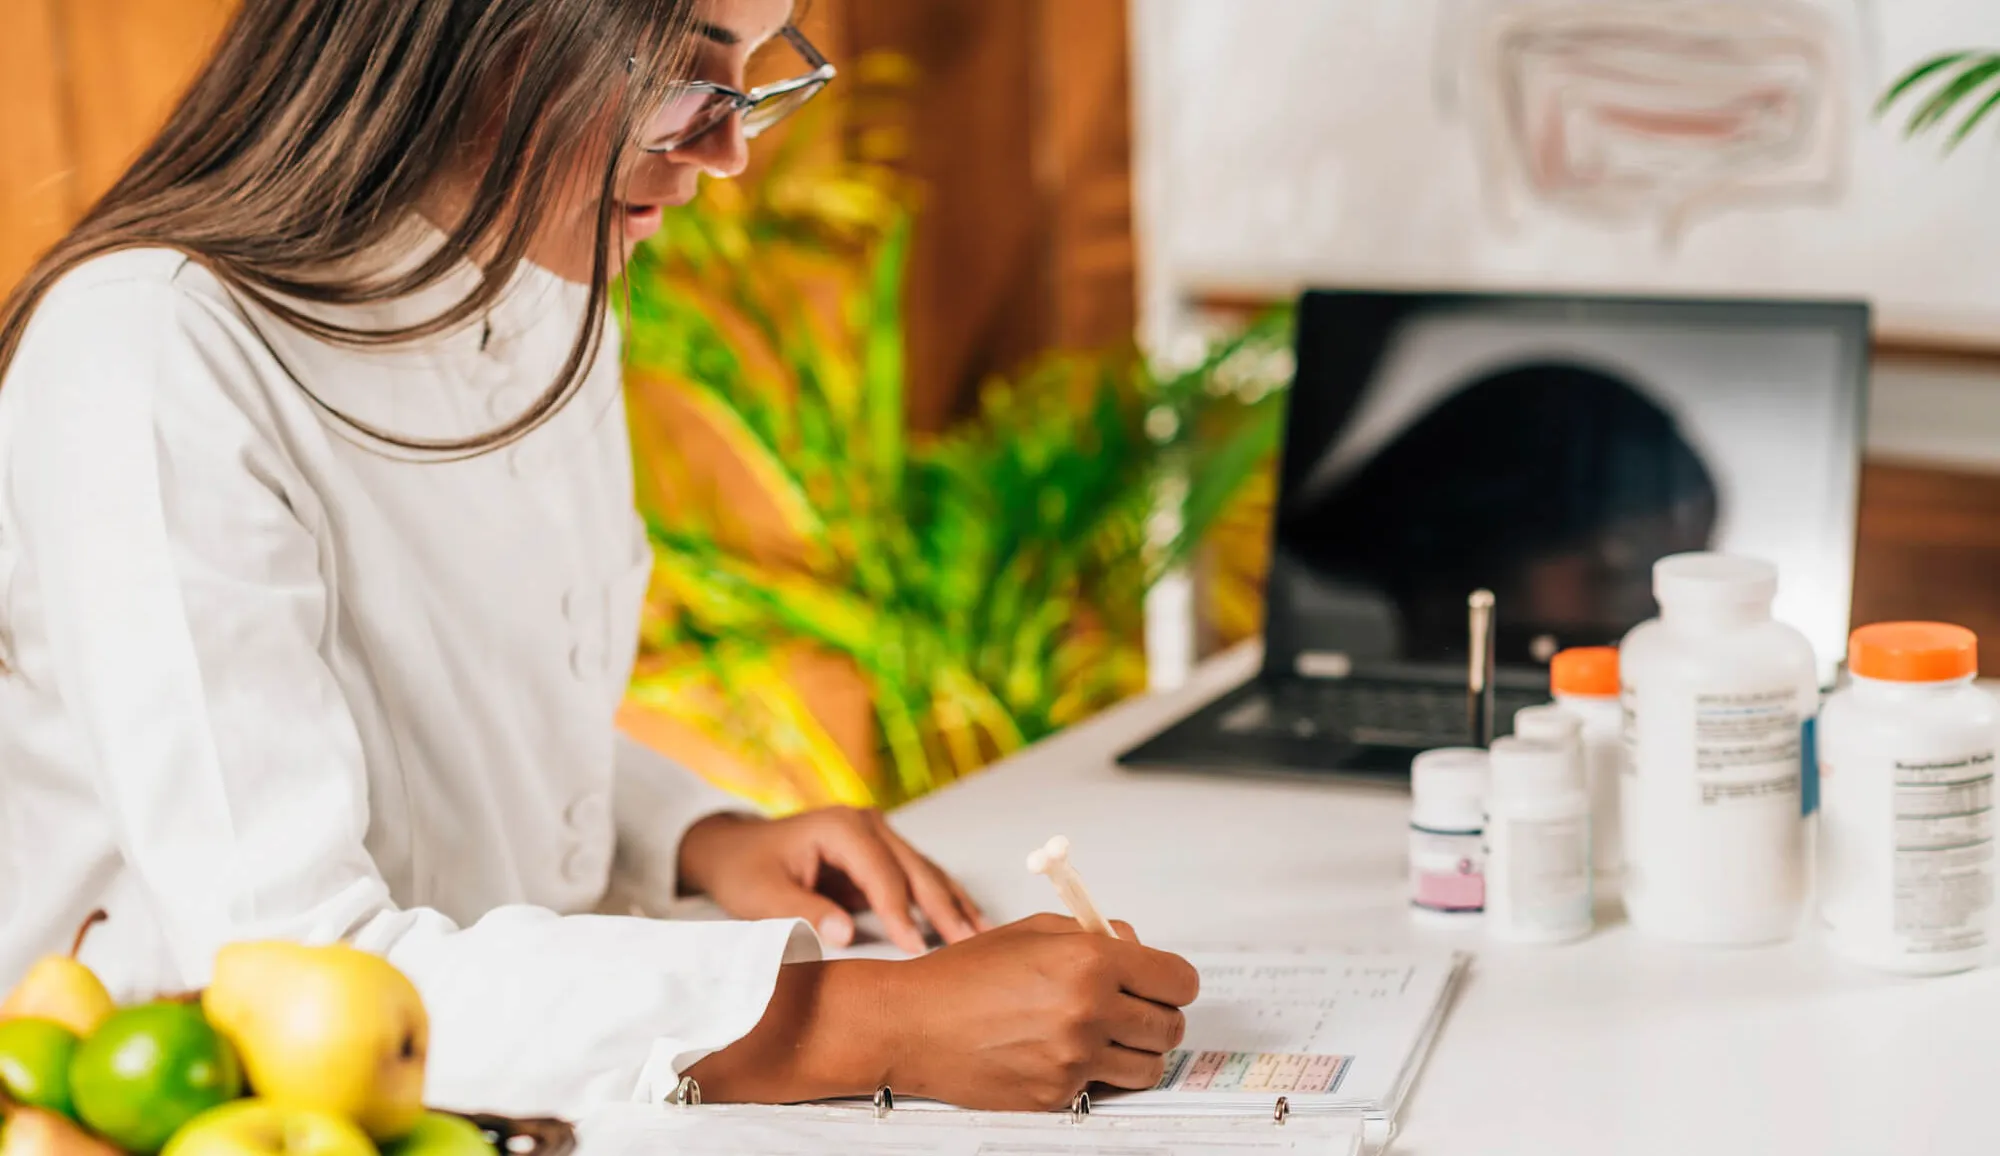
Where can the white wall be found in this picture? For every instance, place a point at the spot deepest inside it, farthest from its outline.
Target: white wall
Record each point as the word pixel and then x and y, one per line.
pixel 1280 142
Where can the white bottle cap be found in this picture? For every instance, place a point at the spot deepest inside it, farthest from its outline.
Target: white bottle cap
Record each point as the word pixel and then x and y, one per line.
pixel 1549 724
pixel 1523 767
pixel 1703 582
pixel 1449 786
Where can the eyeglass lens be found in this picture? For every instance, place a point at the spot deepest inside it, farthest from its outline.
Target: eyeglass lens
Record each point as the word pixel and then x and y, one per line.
pixel 777 108
pixel 687 115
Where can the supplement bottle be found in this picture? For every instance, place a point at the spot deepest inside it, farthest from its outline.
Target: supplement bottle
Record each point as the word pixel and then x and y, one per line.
pixel 1584 682
pixel 1447 819
pixel 1553 724
pixel 1716 698
pixel 1906 756
pixel 1538 887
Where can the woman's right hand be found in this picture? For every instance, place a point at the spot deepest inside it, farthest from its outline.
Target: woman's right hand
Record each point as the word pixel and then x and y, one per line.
pixel 1020 1018
pixel 1026 1016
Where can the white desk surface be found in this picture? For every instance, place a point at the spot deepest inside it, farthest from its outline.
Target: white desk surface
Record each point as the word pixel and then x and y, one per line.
pixel 1614 1045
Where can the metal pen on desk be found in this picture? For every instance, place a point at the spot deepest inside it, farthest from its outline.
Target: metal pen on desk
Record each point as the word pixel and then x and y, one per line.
pixel 1479 669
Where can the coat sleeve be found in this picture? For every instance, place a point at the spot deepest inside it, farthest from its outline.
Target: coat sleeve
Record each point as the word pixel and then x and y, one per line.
pixel 656 801
pixel 186 614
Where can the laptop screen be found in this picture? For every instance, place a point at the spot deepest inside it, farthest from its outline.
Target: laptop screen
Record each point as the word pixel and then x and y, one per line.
pixel 1551 449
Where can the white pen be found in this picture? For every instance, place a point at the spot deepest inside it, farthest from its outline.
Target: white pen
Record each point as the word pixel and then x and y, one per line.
pixel 1052 859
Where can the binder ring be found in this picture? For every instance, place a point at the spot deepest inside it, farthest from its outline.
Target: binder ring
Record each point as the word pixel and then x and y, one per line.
pixel 1283 1111
pixel 1079 1107
pixel 885 1101
pixel 686 1094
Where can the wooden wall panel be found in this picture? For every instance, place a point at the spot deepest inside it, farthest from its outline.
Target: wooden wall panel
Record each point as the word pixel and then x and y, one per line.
pixel 976 299
pixel 1929 548
pixel 37 195
pixel 1021 135
pixel 1085 170
pixel 83 84
pixel 129 60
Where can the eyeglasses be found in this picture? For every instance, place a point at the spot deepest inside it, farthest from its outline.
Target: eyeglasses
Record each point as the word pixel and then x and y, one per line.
pixel 698 107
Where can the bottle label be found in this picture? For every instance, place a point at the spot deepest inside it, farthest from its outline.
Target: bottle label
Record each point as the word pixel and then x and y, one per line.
pixel 1546 865
pixel 1809 766
pixel 1447 871
pixel 1944 852
pixel 1747 746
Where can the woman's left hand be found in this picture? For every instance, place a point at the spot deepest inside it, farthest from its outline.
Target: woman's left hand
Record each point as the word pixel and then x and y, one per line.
pixel 821 866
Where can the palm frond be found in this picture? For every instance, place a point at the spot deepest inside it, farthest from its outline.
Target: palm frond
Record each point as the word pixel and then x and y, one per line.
pixel 1963 77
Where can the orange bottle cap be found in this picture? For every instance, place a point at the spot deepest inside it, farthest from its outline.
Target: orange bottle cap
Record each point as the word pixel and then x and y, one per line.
pixel 1913 652
pixel 1585 670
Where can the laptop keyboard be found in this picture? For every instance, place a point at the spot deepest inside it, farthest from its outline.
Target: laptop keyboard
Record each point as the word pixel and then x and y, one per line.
pixel 1418 717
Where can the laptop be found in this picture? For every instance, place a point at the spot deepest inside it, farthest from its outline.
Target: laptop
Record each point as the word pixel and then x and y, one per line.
pixel 1548 448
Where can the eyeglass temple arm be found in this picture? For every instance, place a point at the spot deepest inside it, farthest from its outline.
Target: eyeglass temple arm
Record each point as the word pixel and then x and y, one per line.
pixel 798 40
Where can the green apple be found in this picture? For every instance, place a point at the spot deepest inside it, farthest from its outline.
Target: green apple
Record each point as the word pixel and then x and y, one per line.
pixel 149 1069
pixel 256 1127
pixel 441 1134
pixel 34 1063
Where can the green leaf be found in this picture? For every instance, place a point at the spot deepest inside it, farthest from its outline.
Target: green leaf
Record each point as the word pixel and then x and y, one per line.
pixel 1950 95
pixel 1915 76
pixel 1971 122
pixel 882 364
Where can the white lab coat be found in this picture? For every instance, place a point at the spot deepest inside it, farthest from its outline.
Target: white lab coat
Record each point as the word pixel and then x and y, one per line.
pixel 268 681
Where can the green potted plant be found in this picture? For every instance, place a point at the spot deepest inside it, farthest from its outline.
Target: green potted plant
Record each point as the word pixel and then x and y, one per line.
pixel 844 612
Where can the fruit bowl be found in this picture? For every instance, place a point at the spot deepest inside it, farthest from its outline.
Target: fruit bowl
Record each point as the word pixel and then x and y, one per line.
pixel 509 1135
pixel 291 1049
pixel 527 1137
pixel 533 1136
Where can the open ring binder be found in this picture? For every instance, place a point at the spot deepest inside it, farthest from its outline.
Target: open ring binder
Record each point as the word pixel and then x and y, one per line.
pixel 687 1094
pixel 863 1126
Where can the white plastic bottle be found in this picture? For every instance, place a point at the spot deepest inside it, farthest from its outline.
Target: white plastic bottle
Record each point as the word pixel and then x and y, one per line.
pixel 1447 821
pixel 1584 681
pixel 1552 724
pixel 1538 876
pixel 1716 698
pixel 1906 754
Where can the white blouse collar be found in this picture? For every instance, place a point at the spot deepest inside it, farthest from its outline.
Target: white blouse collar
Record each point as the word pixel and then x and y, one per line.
pixel 451 385
pixel 534 299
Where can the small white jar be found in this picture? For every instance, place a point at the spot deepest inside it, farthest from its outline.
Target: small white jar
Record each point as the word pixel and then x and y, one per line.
pixel 1447 822
pixel 1584 681
pixel 1538 874
pixel 1716 696
pixel 1906 753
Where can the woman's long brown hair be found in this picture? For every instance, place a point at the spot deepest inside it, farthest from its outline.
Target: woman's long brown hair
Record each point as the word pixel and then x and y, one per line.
pixel 317 126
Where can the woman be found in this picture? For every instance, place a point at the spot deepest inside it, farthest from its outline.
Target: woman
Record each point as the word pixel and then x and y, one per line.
pixel 320 577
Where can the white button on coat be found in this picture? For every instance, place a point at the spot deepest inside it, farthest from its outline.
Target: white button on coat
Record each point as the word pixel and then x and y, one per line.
pixel 266 680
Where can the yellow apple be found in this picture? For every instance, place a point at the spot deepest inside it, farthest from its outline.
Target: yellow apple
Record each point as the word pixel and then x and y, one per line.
pixel 258 1127
pixel 334 1028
